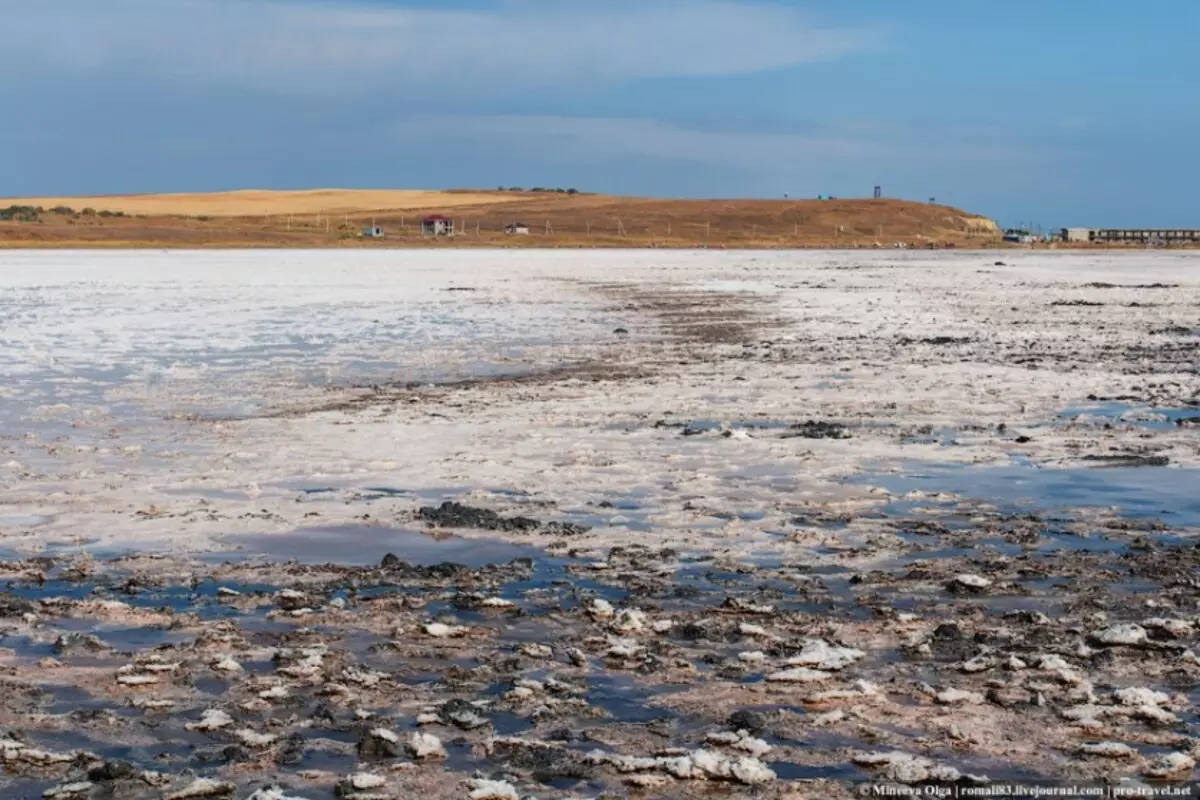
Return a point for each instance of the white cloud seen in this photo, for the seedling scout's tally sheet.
(837, 147)
(644, 137)
(324, 43)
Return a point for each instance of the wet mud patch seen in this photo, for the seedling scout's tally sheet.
(608, 671)
(691, 321)
(696, 316)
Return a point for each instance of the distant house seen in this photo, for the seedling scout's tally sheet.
(516, 229)
(437, 225)
(373, 232)
(1018, 236)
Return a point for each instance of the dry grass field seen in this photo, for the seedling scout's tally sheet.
(258, 202)
(328, 218)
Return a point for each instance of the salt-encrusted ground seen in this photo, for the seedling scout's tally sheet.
(883, 452)
(117, 364)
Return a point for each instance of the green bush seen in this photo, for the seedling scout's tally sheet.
(20, 213)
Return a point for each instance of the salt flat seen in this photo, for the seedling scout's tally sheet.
(572, 522)
(116, 364)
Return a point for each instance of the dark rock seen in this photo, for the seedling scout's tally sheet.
(1129, 460)
(456, 515)
(290, 751)
(371, 746)
(620, 331)
(236, 754)
(112, 771)
(755, 722)
(293, 603)
(1023, 440)
(951, 643)
(390, 561)
(816, 430)
(1010, 696)
(73, 640)
(543, 763)
(564, 529)
(13, 606)
(461, 714)
(692, 631)
(923, 527)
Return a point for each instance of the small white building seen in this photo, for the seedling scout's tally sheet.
(437, 225)
(516, 229)
(1076, 234)
(373, 232)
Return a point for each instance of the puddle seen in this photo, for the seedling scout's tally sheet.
(23, 521)
(1126, 414)
(1139, 492)
(364, 545)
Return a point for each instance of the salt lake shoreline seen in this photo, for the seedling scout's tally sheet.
(740, 523)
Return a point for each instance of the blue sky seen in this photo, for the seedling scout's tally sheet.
(1062, 113)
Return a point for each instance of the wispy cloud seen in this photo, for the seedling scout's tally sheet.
(326, 44)
(827, 148)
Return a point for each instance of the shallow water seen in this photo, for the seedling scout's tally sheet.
(1165, 493)
(365, 545)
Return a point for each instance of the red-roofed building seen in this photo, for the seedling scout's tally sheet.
(437, 225)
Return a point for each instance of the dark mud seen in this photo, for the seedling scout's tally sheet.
(980, 656)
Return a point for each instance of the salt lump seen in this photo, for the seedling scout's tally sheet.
(440, 630)
(799, 675)
(1107, 750)
(1121, 635)
(482, 789)
(701, 765)
(213, 719)
(820, 654)
(425, 745)
(905, 768)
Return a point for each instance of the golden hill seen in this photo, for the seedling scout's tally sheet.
(261, 202)
(335, 217)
